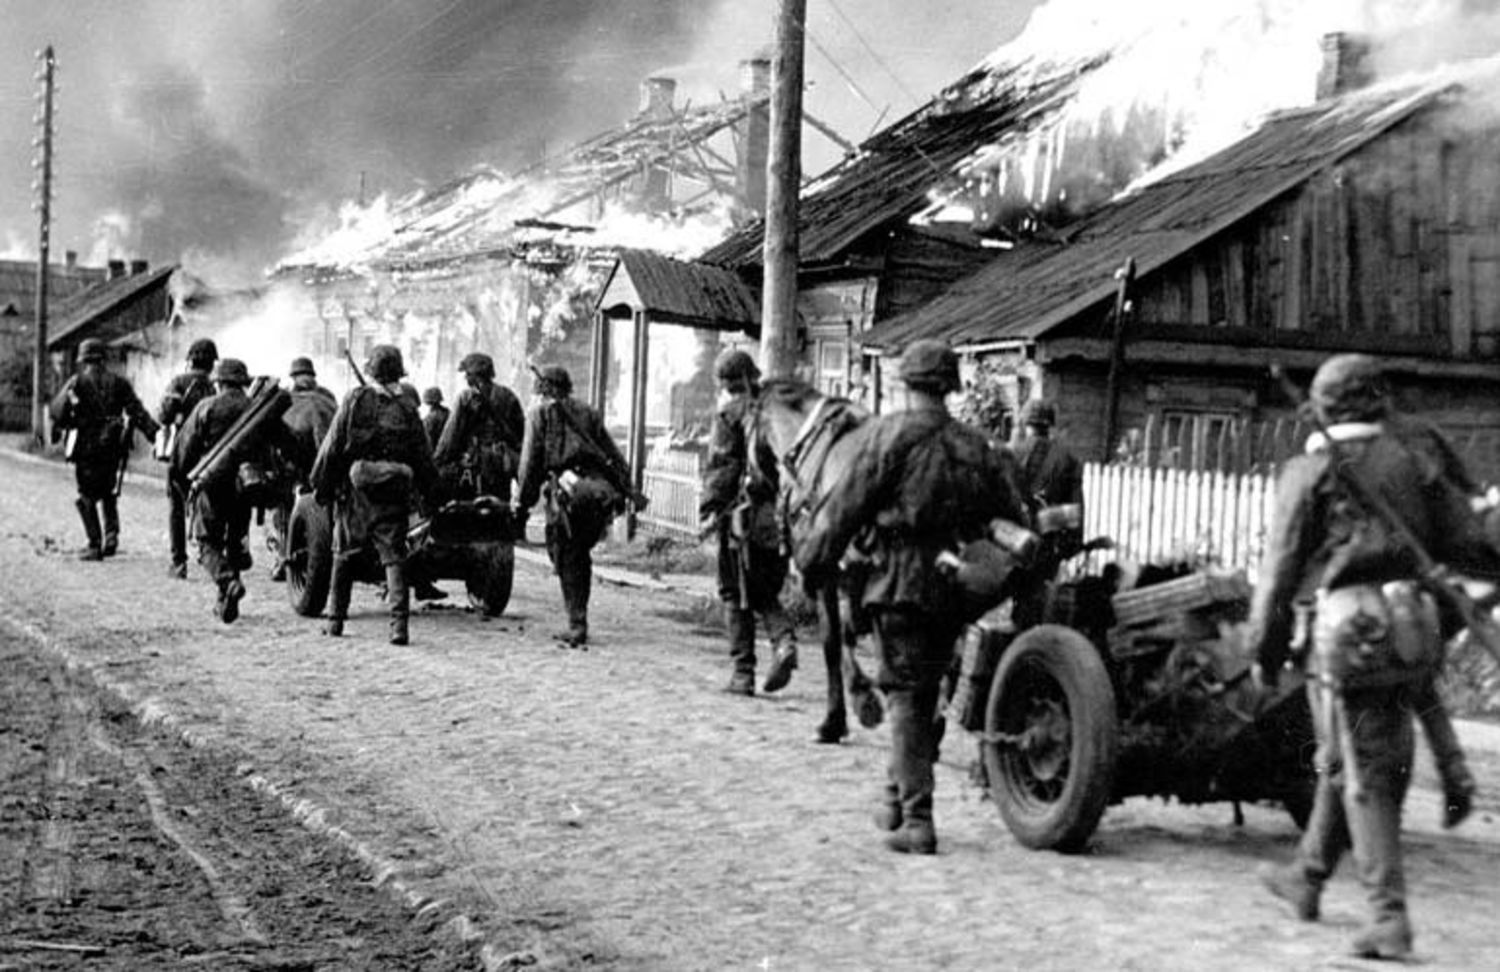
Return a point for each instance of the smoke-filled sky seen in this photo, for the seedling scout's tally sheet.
(215, 131)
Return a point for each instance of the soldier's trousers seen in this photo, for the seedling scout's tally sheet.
(570, 547)
(177, 517)
(221, 524)
(915, 650)
(762, 588)
(1366, 820)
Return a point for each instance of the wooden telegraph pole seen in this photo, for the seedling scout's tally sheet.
(46, 75)
(778, 329)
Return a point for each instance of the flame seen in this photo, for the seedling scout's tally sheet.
(1156, 85)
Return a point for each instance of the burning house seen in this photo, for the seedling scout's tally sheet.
(1367, 221)
(512, 264)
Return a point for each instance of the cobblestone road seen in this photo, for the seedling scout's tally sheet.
(612, 809)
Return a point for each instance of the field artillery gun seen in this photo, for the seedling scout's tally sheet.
(1117, 693)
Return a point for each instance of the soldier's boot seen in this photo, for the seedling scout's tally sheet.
(912, 749)
(888, 815)
(111, 507)
(341, 589)
(741, 625)
(1453, 768)
(575, 592)
(783, 650)
(90, 516)
(1292, 884)
(231, 590)
(398, 596)
(1388, 937)
(1375, 828)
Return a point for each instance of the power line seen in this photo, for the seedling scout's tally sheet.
(854, 29)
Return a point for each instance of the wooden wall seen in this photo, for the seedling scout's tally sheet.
(1397, 245)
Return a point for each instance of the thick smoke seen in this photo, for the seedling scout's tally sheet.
(220, 131)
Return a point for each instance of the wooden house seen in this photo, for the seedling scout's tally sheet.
(130, 310)
(1368, 221)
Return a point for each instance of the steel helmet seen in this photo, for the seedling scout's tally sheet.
(385, 364)
(928, 363)
(1349, 388)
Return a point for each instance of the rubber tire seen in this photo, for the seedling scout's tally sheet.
(491, 578)
(309, 528)
(1052, 670)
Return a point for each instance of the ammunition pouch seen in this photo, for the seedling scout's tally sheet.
(380, 480)
(980, 574)
(258, 484)
(1368, 635)
(588, 492)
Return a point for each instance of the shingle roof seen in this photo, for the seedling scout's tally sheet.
(680, 292)
(84, 309)
(890, 178)
(18, 283)
(1024, 292)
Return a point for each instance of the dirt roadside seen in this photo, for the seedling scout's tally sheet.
(611, 809)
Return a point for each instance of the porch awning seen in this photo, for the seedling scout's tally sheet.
(675, 291)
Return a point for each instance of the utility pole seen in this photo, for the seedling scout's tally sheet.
(46, 74)
(778, 328)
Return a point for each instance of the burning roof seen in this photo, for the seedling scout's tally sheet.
(488, 212)
(1022, 294)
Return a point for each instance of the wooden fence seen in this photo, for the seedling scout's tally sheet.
(1169, 515)
(673, 480)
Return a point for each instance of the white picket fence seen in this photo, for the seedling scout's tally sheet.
(1152, 515)
(1170, 515)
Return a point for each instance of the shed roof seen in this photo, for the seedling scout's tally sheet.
(892, 175)
(1023, 293)
(84, 313)
(678, 292)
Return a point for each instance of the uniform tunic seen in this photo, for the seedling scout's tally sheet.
(733, 477)
(183, 394)
(483, 438)
(374, 423)
(99, 404)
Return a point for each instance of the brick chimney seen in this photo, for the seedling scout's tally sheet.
(116, 269)
(657, 95)
(1346, 64)
(139, 266)
(754, 132)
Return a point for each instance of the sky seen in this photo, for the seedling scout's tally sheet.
(216, 132)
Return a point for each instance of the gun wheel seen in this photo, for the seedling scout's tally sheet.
(1050, 740)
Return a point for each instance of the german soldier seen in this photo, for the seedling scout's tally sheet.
(481, 441)
(374, 456)
(101, 413)
(1051, 481)
(437, 415)
(183, 394)
(221, 513)
(569, 461)
(1374, 635)
(740, 491)
(307, 419)
(928, 484)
